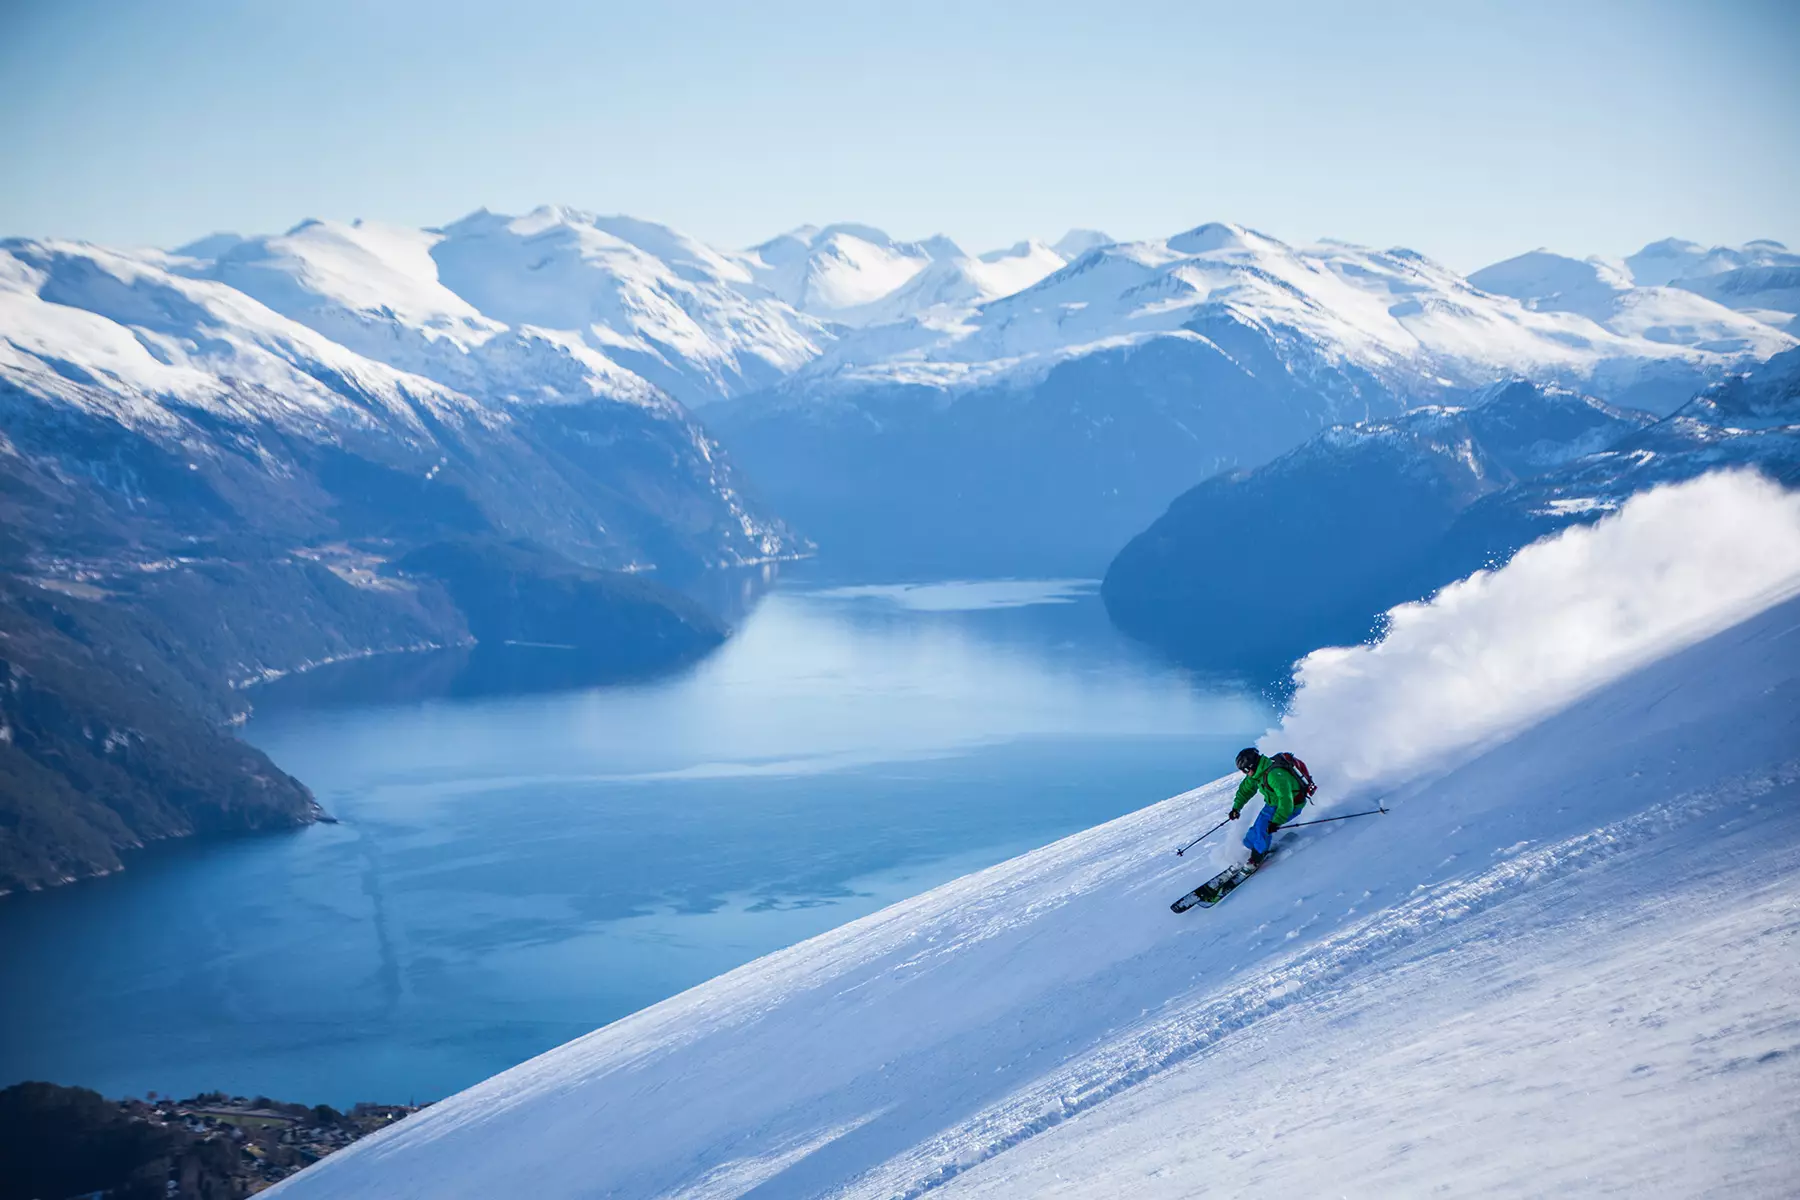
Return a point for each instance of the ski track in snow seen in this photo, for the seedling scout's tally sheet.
(1433, 1074)
(1303, 978)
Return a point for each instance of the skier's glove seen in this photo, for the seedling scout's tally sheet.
(1235, 814)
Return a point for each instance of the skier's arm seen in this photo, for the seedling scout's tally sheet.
(1245, 790)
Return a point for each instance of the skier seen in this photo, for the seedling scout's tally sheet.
(1284, 794)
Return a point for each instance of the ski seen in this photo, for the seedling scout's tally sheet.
(1218, 887)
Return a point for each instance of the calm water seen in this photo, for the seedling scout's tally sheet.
(511, 872)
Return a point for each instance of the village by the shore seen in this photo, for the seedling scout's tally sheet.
(72, 1144)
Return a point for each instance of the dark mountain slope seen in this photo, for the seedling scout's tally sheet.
(1253, 568)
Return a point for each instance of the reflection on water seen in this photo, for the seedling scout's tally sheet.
(511, 668)
(513, 870)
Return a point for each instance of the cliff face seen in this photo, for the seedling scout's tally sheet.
(108, 743)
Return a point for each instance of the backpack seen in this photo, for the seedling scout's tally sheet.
(1298, 770)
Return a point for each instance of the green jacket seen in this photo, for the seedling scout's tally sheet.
(1280, 787)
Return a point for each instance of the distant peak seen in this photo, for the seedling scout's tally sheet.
(866, 233)
(1670, 247)
(803, 234)
(1077, 242)
(940, 245)
(556, 214)
(1217, 235)
(1024, 249)
(482, 218)
(213, 245)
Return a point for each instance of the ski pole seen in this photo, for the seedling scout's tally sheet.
(1202, 837)
(1345, 817)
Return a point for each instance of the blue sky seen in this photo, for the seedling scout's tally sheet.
(1469, 131)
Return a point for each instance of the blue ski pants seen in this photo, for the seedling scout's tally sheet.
(1258, 835)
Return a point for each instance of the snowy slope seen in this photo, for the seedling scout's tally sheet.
(351, 274)
(1048, 1026)
(644, 296)
(124, 333)
(557, 304)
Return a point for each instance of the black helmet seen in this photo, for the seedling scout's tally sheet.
(1248, 759)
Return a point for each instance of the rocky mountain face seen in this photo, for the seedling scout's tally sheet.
(1252, 568)
(1750, 421)
(109, 740)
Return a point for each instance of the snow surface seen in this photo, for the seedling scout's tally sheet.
(1568, 967)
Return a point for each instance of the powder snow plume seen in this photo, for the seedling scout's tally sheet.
(1502, 649)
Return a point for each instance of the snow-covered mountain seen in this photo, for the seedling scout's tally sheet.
(1652, 293)
(556, 304)
(124, 335)
(1411, 322)
(837, 271)
(1077, 242)
(857, 275)
(138, 392)
(1522, 979)
(902, 400)
(951, 286)
(1041, 429)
